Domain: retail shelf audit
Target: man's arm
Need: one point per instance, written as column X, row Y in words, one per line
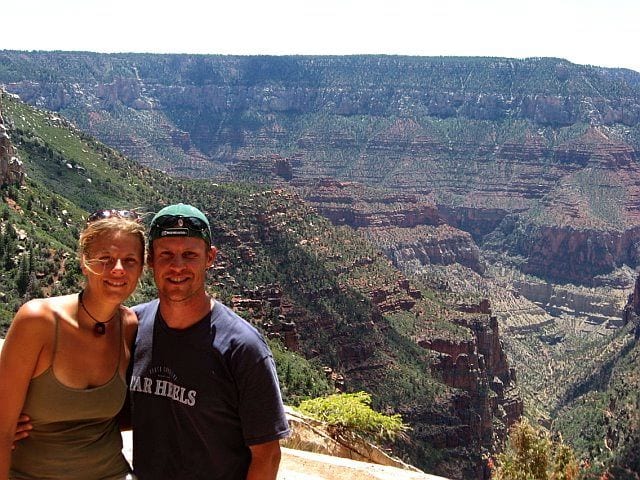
column 265, row 460
column 22, row 429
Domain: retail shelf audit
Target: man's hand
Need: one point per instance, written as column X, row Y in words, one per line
column 22, row 429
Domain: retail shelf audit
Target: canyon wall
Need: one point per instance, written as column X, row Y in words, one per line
column 541, row 143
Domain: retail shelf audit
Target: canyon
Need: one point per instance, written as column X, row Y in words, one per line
column 510, row 187
column 535, row 154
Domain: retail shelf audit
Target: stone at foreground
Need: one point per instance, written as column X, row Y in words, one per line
column 300, row 465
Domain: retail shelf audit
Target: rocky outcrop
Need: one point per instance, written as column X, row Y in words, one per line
column 122, row 90
column 631, row 312
column 575, row 255
column 427, row 245
column 477, row 221
column 635, row 299
column 599, row 307
column 407, row 227
column 479, row 369
column 312, row 435
column 359, row 206
column 11, row 169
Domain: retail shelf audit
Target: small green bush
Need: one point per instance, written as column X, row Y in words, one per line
column 347, row 413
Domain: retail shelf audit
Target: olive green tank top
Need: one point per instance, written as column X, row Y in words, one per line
column 75, row 435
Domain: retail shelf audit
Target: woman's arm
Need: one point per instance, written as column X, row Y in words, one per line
column 27, row 336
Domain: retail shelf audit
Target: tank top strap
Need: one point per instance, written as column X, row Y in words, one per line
column 56, row 337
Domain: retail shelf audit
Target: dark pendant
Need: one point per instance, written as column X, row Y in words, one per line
column 99, row 328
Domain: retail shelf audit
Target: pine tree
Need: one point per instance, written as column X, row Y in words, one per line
column 22, row 280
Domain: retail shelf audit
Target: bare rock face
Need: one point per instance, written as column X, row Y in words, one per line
column 128, row 91
column 407, row 227
column 577, row 255
column 353, row 204
column 479, row 368
column 478, row 221
column 631, row 313
column 284, row 169
column 11, row 171
column 441, row 245
column 635, row 301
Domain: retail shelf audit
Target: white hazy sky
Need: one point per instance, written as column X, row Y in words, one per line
column 594, row 32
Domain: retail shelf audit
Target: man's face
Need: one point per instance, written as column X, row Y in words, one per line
column 179, row 267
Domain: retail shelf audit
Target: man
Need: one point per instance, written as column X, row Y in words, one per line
column 204, row 393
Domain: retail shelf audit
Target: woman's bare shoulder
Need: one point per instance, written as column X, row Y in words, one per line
column 41, row 313
column 32, row 330
column 35, row 311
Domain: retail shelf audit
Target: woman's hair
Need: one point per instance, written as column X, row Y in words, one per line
column 108, row 226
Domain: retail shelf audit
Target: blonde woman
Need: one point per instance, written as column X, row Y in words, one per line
column 64, row 361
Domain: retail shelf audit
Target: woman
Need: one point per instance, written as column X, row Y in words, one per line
column 64, row 361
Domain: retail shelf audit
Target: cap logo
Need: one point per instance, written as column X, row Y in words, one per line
column 175, row 232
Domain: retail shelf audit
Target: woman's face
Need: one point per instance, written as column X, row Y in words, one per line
column 113, row 264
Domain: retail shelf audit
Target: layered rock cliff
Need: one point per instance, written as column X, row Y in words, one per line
column 407, row 227
column 479, row 372
column 11, row 169
column 542, row 143
column 356, row 205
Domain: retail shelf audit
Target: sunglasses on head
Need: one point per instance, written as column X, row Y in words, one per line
column 177, row 225
column 110, row 213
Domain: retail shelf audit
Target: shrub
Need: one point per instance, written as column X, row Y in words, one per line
column 351, row 413
column 299, row 378
column 532, row 455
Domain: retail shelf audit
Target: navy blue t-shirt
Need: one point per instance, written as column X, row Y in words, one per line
column 200, row 396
